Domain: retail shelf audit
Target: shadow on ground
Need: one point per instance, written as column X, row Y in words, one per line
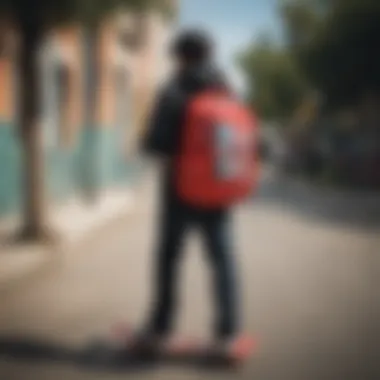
column 98, row 356
column 351, row 208
column 93, row 357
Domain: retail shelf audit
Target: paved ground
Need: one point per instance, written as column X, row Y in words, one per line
column 308, row 259
column 73, row 221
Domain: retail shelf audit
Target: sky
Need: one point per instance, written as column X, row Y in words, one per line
column 233, row 24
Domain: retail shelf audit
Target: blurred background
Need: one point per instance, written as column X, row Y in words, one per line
column 77, row 206
column 317, row 83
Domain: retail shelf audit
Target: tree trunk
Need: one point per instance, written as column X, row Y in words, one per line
column 91, row 84
column 34, row 224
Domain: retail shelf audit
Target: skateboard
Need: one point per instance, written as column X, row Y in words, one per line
column 185, row 350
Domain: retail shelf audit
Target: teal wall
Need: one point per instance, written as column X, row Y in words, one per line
column 96, row 160
column 101, row 162
column 10, row 170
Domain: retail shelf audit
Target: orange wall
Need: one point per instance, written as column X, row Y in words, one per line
column 7, row 93
column 70, row 39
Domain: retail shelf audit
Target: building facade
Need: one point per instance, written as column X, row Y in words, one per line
column 84, row 150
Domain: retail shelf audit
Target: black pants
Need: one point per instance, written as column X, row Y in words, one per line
column 215, row 229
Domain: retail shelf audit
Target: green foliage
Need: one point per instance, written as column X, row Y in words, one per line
column 343, row 60
column 302, row 19
column 331, row 46
column 276, row 86
column 336, row 44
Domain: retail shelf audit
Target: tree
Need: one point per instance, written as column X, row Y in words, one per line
column 276, row 86
column 302, row 19
column 336, row 45
column 344, row 59
column 33, row 19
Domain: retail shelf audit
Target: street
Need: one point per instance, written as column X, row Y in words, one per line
column 307, row 258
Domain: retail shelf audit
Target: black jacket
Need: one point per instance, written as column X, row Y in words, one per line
column 167, row 120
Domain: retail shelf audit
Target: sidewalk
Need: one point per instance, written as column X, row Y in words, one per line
column 73, row 221
column 305, row 295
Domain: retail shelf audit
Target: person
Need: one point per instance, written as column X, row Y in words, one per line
column 196, row 72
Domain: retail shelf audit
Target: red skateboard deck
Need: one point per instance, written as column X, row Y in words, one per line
column 239, row 351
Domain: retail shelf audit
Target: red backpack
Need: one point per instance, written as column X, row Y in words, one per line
column 217, row 166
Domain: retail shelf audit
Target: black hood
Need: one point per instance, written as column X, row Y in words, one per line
column 202, row 77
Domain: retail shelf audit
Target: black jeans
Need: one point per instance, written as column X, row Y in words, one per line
column 215, row 229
